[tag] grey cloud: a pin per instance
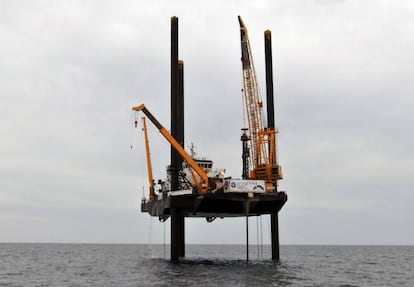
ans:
(72, 72)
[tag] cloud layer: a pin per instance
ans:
(71, 71)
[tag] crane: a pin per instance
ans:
(149, 164)
(202, 182)
(262, 148)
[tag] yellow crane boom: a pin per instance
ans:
(149, 164)
(202, 185)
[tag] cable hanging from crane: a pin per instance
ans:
(134, 120)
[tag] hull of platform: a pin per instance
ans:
(217, 205)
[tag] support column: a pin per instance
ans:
(247, 211)
(175, 237)
(271, 125)
(174, 102)
(177, 234)
(274, 222)
(181, 231)
(269, 80)
(180, 108)
(177, 131)
(180, 139)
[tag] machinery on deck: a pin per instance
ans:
(197, 175)
(202, 183)
(260, 168)
(259, 143)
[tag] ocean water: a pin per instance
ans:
(204, 265)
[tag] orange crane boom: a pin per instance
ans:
(202, 185)
(149, 164)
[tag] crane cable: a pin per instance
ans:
(242, 96)
(130, 136)
(134, 123)
(243, 105)
(243, 109)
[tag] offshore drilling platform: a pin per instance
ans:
(193, 188)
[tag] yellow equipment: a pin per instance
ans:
(262, 140)
(149, 164)
(202, 184)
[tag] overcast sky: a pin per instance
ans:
(71, 71)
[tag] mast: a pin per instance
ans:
(262, 140)
(252, 97)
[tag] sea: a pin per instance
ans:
(24, 264)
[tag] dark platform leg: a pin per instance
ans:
(177, 131)
(177, 235)
(274, 222)
(181, 231)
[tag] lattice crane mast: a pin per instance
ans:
(262, 149)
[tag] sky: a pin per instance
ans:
(72, 70)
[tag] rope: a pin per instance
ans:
(243, 109)
(132, 127)
(164, 237)
(257, 237)
(261, 237)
